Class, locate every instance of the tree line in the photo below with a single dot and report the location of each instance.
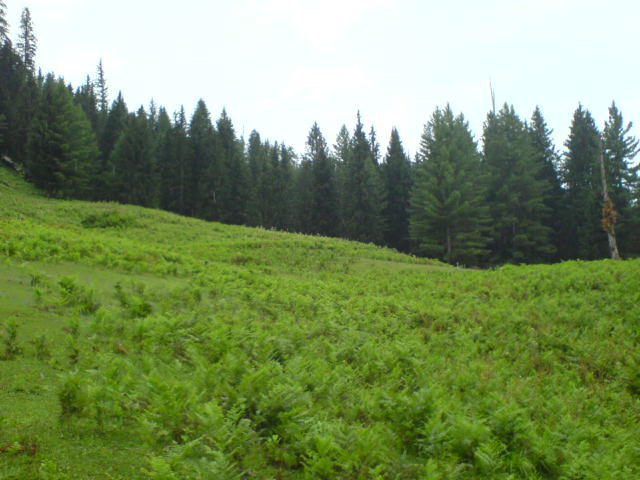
(511, 198)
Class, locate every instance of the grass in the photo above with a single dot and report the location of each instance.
(159, 347)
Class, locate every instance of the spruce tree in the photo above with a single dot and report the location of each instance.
(515, 193)
(547, 160)
(448, 215)
(174, 157)
(324, 200)
(116, 122)
(620, 149)
(62, 148)
(363, 195)
(284, 204)
(581, 172)
(102, 90)
(234, 182)
(257, 153)
(85, 96)
(135, 163)
(203, 171)
(396, 176)
(27, 42)
(4, 24)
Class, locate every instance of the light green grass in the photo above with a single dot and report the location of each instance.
(205, 351)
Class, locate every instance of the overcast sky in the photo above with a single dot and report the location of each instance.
(279, 65)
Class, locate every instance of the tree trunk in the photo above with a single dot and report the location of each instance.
(609, 214)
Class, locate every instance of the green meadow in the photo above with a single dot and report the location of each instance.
(138, 344)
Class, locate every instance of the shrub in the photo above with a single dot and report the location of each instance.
(109, 219)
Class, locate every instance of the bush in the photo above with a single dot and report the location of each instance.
(109, 219)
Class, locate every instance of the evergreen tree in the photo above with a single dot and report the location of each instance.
(103, 91)
(340, 157)
(62, 148)
(203, 171)
(375, 146)
(284, 175)
(448, 215)
(546, 161)
(581, 173)
(620, 148)
(257, 153)
(303, 221)
(324, 200)
(515, 193)
(85, 96)
(234, 184)
(363, 196)
(12, 76)
(4, 24)
(27, 43)
(23, 111)
(174, 157)
(396, 175)
(116, 122)
(135, 163)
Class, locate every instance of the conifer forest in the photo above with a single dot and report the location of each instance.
(510, 197)
(181, 302)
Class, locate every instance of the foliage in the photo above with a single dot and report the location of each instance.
(312, 358)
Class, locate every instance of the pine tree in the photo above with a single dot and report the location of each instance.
(547, 160)
(396, 175)
(284, 174)
(375, 146)
(581, 174)
(448, 215)
(234, 183)
(27, 42)
(85, 96)
(515, 193)
(62, 148)
(620, 148)
(135, 163)
(12, 77)
(4, 25)
(324, 201)
(363, 195)
(203, 171)
(116, 122)
(174, 157)
(103, 91)
(257, 153)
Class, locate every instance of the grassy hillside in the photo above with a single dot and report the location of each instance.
(141, 344)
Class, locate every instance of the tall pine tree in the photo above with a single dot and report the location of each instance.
(62, 149)
(448, 216)
(27, 42)
(515, 193)
(363, 195)
(324, 200)
(397, 180)
(4, 24)
(620, 149)
(581, 172)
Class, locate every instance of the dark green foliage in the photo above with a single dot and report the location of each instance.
(108, 219)
(547, 161)
(85, 96)
(396, 177)
(620, 148)
(515, 191)
(4, 24)
(448, 217)
(115, 123)
(27, 42)
(324, 199)
(233, 194)
(135, 164)
(363, 196)
(62, 148)
(204, 175)
(581, 175)
(173, 157)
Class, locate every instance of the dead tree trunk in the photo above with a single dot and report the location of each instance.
(609, 213)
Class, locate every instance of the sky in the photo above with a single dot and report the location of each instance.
(277, 66)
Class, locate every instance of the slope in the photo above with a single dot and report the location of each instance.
(141, 344)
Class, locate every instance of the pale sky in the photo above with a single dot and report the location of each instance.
(279, 65)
